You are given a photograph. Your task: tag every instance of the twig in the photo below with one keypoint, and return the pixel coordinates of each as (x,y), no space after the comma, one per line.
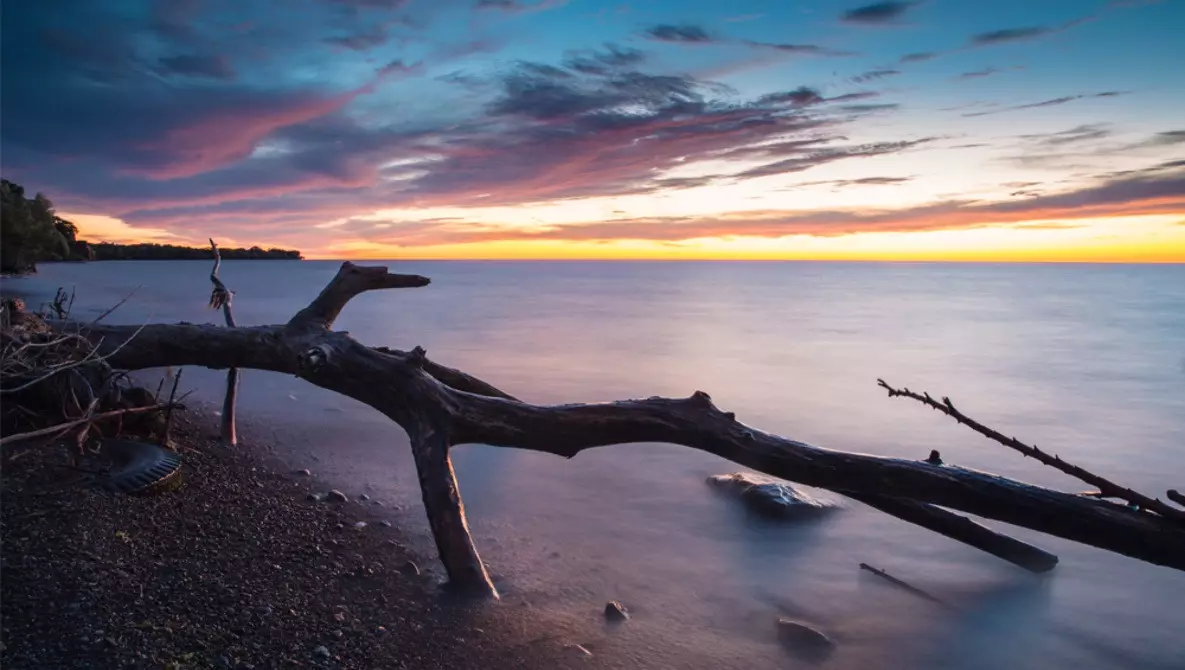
(74,364)
(1107,488)
(912,589)
(169,411)
(116,305)
(62,427)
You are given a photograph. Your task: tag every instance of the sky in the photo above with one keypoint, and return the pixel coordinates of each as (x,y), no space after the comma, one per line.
(1048,130)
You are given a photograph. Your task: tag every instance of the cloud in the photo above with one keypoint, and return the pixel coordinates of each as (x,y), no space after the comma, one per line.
(1024,33)
(213,67)
(602,62)
(862,181)
(829,155)
(680,34)
(1163,194)
(1053,102)
(878,13)
(801,49)
(361,41)
(920,56)
(1167,138)
(517,6)
(873,75)
(1075,135)
(695,35)
(979,74)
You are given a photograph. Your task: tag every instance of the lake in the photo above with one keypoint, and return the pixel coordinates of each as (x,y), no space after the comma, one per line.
(1087,361)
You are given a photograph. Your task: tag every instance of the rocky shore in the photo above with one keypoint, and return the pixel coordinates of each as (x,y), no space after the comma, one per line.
(239,568)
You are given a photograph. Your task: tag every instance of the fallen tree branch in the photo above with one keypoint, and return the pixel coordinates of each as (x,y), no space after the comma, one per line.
(437,416)
(221,296)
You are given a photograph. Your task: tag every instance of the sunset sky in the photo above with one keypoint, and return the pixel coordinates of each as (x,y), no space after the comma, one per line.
(798,129)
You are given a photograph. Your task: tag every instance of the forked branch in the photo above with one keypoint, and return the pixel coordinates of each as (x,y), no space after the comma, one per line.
(440,407)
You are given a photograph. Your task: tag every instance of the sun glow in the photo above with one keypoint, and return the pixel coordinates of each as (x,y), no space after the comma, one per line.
(1148,239)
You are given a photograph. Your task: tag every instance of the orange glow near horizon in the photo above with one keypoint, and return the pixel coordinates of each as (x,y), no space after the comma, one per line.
(1131,239)
(1147,239)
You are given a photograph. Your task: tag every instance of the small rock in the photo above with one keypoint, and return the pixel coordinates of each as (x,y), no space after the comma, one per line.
(339,616)
(338,634)
(336,496)
(364,497)
(377,503)
(321,652)
(615,611)
(799,635)
(314,497)
(304,473)
(381,630)
(411,568)
(385,524)
(359,525)
(769,497)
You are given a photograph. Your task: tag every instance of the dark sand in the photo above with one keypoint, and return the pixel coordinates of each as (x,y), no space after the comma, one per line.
(236,569)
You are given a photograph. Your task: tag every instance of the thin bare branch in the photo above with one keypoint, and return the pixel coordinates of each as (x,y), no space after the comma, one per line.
(171,405)
(905,585)
(115,306)
(1107,488)
(63,427)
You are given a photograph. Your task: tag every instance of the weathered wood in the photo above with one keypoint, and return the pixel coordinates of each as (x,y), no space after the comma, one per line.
(446,514)
(964,530)
(221,296)
(404,387)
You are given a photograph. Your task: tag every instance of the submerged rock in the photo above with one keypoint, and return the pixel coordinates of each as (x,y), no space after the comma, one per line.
(615,611)
(769,497)
(803,638)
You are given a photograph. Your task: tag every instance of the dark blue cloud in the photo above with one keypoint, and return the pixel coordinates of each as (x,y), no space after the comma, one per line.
(878,12)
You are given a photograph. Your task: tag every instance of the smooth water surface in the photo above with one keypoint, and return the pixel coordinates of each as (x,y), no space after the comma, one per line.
(1087,361)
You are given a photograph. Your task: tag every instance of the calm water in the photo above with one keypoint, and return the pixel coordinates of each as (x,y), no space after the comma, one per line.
(1086,361)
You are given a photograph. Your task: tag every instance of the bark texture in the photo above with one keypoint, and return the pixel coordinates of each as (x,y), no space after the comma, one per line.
(440,407)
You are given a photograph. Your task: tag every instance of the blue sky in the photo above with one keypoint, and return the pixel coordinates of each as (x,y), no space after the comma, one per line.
(474,127)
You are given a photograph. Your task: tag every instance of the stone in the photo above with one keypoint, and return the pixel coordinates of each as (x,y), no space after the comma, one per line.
(385,524)
(359,525)
(364,497)
(321,652)
(304,473)
(336,496)
(770,497)
(802,637)
(314,497)
(615,611)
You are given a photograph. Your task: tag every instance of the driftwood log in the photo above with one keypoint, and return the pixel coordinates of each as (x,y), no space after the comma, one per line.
(440,407)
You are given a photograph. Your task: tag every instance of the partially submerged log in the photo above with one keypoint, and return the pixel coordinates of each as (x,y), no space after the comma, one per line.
(440,408)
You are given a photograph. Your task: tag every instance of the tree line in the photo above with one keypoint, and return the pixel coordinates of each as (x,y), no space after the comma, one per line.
(30,232)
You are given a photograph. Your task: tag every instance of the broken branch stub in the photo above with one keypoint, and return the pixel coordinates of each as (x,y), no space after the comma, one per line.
(440,408)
